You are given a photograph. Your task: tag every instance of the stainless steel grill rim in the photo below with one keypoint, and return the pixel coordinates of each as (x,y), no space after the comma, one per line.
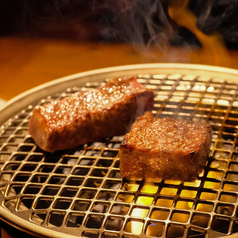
(80,192)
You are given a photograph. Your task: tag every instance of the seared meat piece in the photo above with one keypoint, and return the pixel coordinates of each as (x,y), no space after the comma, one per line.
(165,148)
(90,116)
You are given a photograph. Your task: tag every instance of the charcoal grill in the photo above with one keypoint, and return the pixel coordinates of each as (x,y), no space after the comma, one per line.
(80,192)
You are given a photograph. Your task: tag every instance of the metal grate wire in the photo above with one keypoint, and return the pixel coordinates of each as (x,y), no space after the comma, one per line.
(81,192)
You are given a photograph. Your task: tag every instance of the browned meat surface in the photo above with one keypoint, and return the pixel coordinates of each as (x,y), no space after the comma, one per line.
(165,148)
(90,116)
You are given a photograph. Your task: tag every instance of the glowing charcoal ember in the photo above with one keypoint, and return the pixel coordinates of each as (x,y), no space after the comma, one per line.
(165,148)
(90,116)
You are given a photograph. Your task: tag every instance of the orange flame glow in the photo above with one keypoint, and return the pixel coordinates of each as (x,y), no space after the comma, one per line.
(213,50)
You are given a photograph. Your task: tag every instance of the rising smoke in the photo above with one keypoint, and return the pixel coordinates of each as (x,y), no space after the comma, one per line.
(149,22)
(136,21)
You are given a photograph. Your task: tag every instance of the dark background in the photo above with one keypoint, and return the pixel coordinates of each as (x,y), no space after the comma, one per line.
(134,21)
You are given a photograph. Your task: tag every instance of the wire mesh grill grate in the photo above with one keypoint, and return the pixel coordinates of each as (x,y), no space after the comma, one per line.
(81,192)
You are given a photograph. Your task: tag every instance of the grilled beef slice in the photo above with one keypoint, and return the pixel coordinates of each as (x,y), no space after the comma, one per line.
(165,148)
(90,116)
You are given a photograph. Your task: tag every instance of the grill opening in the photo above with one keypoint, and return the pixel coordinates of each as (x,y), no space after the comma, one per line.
(81,191)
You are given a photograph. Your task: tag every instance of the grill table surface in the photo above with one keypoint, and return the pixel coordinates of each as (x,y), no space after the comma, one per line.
(27,63)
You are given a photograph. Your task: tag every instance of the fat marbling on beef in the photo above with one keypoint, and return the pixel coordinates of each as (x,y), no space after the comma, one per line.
(165,148)
(90,116)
